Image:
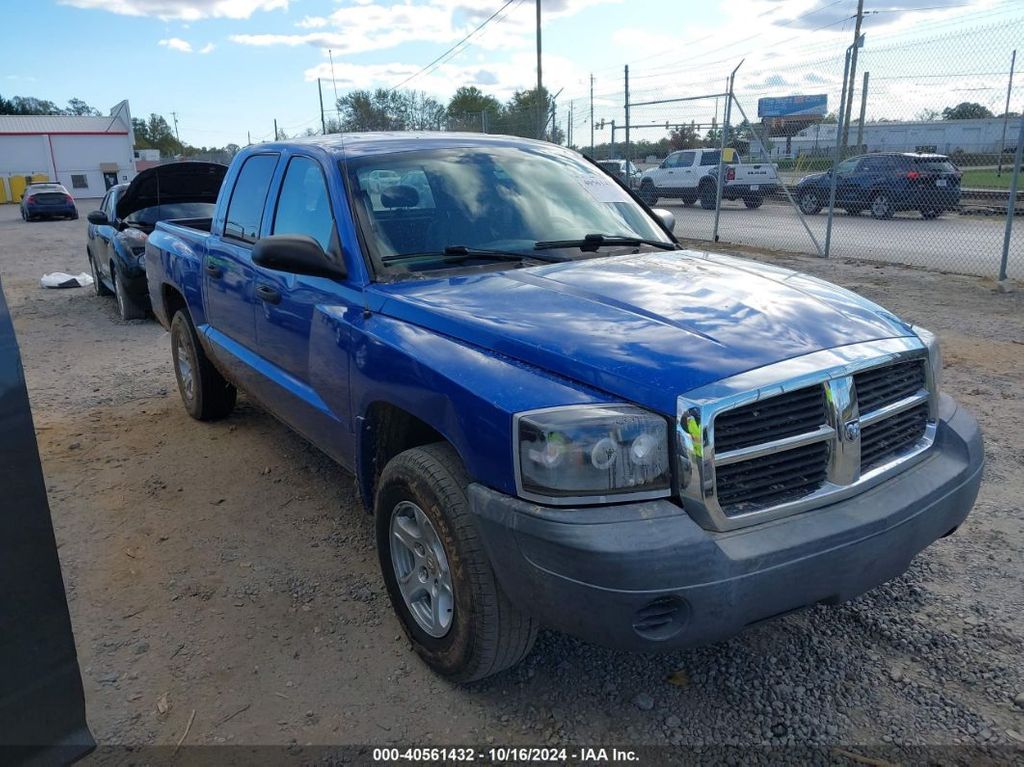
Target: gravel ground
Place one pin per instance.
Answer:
(229, 570)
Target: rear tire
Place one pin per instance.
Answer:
(931, 213)
(648, 193)
(707, 194)
(127, 305)
(427, 536)
(97, 285)
(854, 211)
(207, 396)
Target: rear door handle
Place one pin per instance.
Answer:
(213, 270)
(268, 294)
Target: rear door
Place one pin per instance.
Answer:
(228, 273)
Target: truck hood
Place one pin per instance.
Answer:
(172, 183)
(645, 327)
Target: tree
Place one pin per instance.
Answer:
(155, 133)
(966, 110)
(30, 105)
(928, 115)
(684, 137)
(470, 109)
(79, 107)
(389, 110)
(526, 113)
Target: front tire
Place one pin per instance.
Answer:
(930, 213)
(437, 573)
(207, 396)
(881, 206)
(128, 307)
(810, 203)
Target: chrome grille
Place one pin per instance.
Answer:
(883, 386)
(882, 441)
(761, 445)
(786, 415)
(771, 479)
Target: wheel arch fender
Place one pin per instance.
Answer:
(411, 386)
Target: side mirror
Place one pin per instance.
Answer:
(295, 253)
(98, 217)
(666, 217)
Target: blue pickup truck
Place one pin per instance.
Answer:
(558, 416)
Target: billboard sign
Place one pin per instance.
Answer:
(793, 106)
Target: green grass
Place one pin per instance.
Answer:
(987, 179)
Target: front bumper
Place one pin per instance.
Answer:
(645, 576)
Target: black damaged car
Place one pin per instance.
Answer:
(119, 229)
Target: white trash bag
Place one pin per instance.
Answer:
(62, 280)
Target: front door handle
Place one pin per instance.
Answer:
(268, 294)
(213, 270)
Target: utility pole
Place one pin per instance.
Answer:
(591, 116)
(572, 110)
(1006, 113)
(853, 72)
(248, 138)
(176, 136)
(323, 122)
(863, 110)
(275, 129)
(627, 153)
(541, 109)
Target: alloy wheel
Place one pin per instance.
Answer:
(421, 569)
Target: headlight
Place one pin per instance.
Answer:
(931, 341)
(588, 453)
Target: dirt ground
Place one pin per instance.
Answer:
(229, 569)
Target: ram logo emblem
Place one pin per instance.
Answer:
(852, 430)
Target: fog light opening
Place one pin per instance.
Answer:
(661, 618)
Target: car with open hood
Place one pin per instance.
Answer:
(556, 414)
(118, 230)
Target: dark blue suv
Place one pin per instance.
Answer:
(885, 183)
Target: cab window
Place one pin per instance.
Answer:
(245, 210)
(304, 206)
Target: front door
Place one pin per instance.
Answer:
(296, 312)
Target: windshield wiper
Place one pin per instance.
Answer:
(592, 242)
(464, 252)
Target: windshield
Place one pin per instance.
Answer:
(505, 198)
(149, 216)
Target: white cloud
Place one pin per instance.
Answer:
(373, 26)
(208, 48)
(177, 44)
(184, 10)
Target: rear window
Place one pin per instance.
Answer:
(710, 158)
(932, 165)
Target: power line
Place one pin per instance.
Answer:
(486, 21)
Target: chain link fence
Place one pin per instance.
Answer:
(906, 148)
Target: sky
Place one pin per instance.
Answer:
(228, 68)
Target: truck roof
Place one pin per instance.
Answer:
(364, 144)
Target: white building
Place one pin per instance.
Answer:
(983, 136)
(86, 154)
